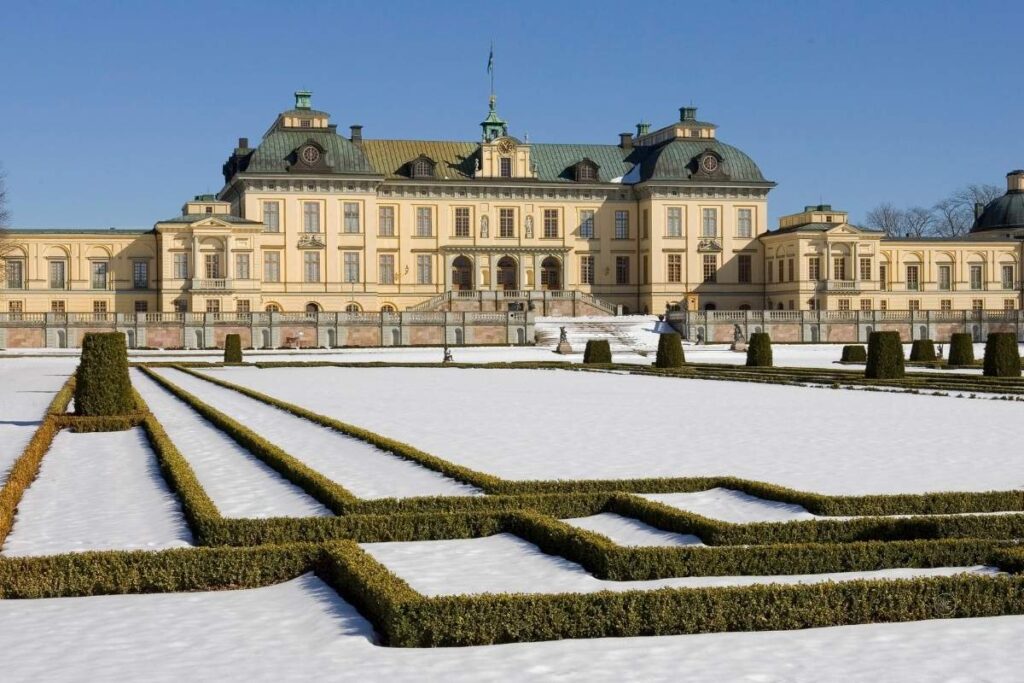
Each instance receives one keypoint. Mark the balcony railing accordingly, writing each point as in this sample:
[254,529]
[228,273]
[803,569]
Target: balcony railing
[211,284]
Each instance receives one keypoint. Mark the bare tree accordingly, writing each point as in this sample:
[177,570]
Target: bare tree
[977,194]
[952,218]
[887,218]
[917,221]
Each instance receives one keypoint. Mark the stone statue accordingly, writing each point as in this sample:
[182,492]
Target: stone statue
[564,347]
[483,226]
[737,334]
[529,227]
[563,336]
[447,355]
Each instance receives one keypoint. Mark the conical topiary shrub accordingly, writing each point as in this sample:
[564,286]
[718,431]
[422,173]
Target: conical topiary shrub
[670,351]
[885,356]
[759,350]
[922,351]
[854,353]
[1001,356]
[961,349]
[597,351]
[102,386]
[233,348]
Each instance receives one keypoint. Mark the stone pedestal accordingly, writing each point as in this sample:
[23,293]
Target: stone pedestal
[739,347]
[563,348]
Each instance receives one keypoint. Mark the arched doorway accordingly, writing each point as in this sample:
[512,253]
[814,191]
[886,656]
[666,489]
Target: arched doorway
[312,307]
[507,273]
[352,308]
[265,337]
[462,273]
[710,307]
[550,273]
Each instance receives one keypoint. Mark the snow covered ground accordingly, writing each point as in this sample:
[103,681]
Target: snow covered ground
[504,563]
[238,483]
[631,532]
[301,630]
[551,424]
[99,491]
[26,388]
[364,470]
[733,506]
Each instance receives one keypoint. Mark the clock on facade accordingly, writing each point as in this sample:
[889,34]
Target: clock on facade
[506,146]
[709,163]
[310,154]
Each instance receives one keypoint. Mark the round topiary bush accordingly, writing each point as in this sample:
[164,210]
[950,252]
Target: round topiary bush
[885,356]
[670,351]
[961,349]
[923,351]
[1001,356]
[233,348]
[854,353]
[597,351]
[759,350]
[102,386]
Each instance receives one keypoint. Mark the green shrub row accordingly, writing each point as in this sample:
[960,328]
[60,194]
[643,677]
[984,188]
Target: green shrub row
[103,386]
[597,351]
[854,353]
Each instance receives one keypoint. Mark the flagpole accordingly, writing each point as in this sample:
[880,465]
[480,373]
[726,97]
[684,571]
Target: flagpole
[490,67]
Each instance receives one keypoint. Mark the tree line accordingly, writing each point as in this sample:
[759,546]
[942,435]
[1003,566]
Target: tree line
[952,216]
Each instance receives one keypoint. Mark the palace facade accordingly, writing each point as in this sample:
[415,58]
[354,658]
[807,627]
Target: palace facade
[312,220]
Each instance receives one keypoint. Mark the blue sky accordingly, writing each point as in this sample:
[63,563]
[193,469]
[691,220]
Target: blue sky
[115,113]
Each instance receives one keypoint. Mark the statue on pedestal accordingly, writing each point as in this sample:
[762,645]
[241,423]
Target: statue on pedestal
[564,347]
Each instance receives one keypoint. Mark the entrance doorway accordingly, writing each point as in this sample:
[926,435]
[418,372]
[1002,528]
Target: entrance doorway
[507,273]
[550,273]
[462,273]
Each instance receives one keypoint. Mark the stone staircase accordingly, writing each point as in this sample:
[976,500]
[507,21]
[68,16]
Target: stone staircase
[625,334]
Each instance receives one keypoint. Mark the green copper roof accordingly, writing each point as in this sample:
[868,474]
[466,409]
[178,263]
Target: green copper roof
[453,160]
[555,163]
[1002,213]
[675,160]
[272,154]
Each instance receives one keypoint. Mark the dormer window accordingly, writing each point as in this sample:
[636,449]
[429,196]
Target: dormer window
[422,168]
[209,209]
[305,123]
[505,167]
[586,171]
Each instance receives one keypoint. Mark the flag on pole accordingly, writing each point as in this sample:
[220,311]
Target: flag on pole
[490,60]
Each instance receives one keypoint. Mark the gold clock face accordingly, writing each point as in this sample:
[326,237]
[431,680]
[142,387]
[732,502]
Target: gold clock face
[310,154]
[505,146]
[709,163]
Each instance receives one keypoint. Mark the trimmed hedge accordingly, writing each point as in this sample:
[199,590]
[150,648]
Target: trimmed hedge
[854,353]
[885,356]
[759,351]
[922,351]
[103,386]
[670,351]
[1001,356]
[597,351]
[233,348]
[961,350]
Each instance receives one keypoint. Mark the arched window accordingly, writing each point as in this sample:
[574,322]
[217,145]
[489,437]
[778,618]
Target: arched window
[352,308]
[272,308]
[744,307]
[710,307]
[312,307]
[388,308]
[422,168]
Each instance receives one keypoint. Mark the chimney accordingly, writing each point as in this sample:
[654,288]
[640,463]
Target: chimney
[626,140]
[979,209]
[357,133]
[687,113]
[243,143]
[1015,181]
[642,128]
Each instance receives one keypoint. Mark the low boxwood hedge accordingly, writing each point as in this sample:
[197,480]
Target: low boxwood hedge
[854,353]
[759,350]
[597,351]
[1001,356]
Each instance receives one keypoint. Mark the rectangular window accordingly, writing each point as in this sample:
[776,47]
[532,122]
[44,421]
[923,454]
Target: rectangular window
[744,223]
[769,268]
[645,221]
[99,306]
[311,266]
[272,266]
[814,268]
[792,269]
[424,221]
[242,266]
[180,306]
[865,304]
[99,275]
[58,274]
[977,304]
[883,305]
[15,308]
[386,269]
[711,268]
[844,304]
[181,266]
[622,270]
[351,266]
[506,222]
[743,260]
[505,167]
[587,224]
[709,223]
[1007,277]
[550,223]
[140,274]
[1009,304]
[58,307]
[915,304]
[271,217]
[15,273]
[913,278]
[674,222]
[213,305]
[351,212]
[976,277]
[424,269]
[782,270]
[141,306]
[838,268]
[945,278]
[462,221]
[675,268]
[212,265]
[586,270]
[645,269]
[946,305]
[386,221]
[812,304]
[243,306]
[865,268]
[311,216]
[883,277]
[622,225]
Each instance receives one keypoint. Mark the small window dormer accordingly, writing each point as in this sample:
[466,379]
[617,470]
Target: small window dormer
[422,167]
[585,171]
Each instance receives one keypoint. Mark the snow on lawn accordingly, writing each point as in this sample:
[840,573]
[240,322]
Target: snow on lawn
[504,563]
[27,386]
[631,532]
[99,491]
[364,470]
[239,484]
[302,630]
[732,506]
[554,424]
